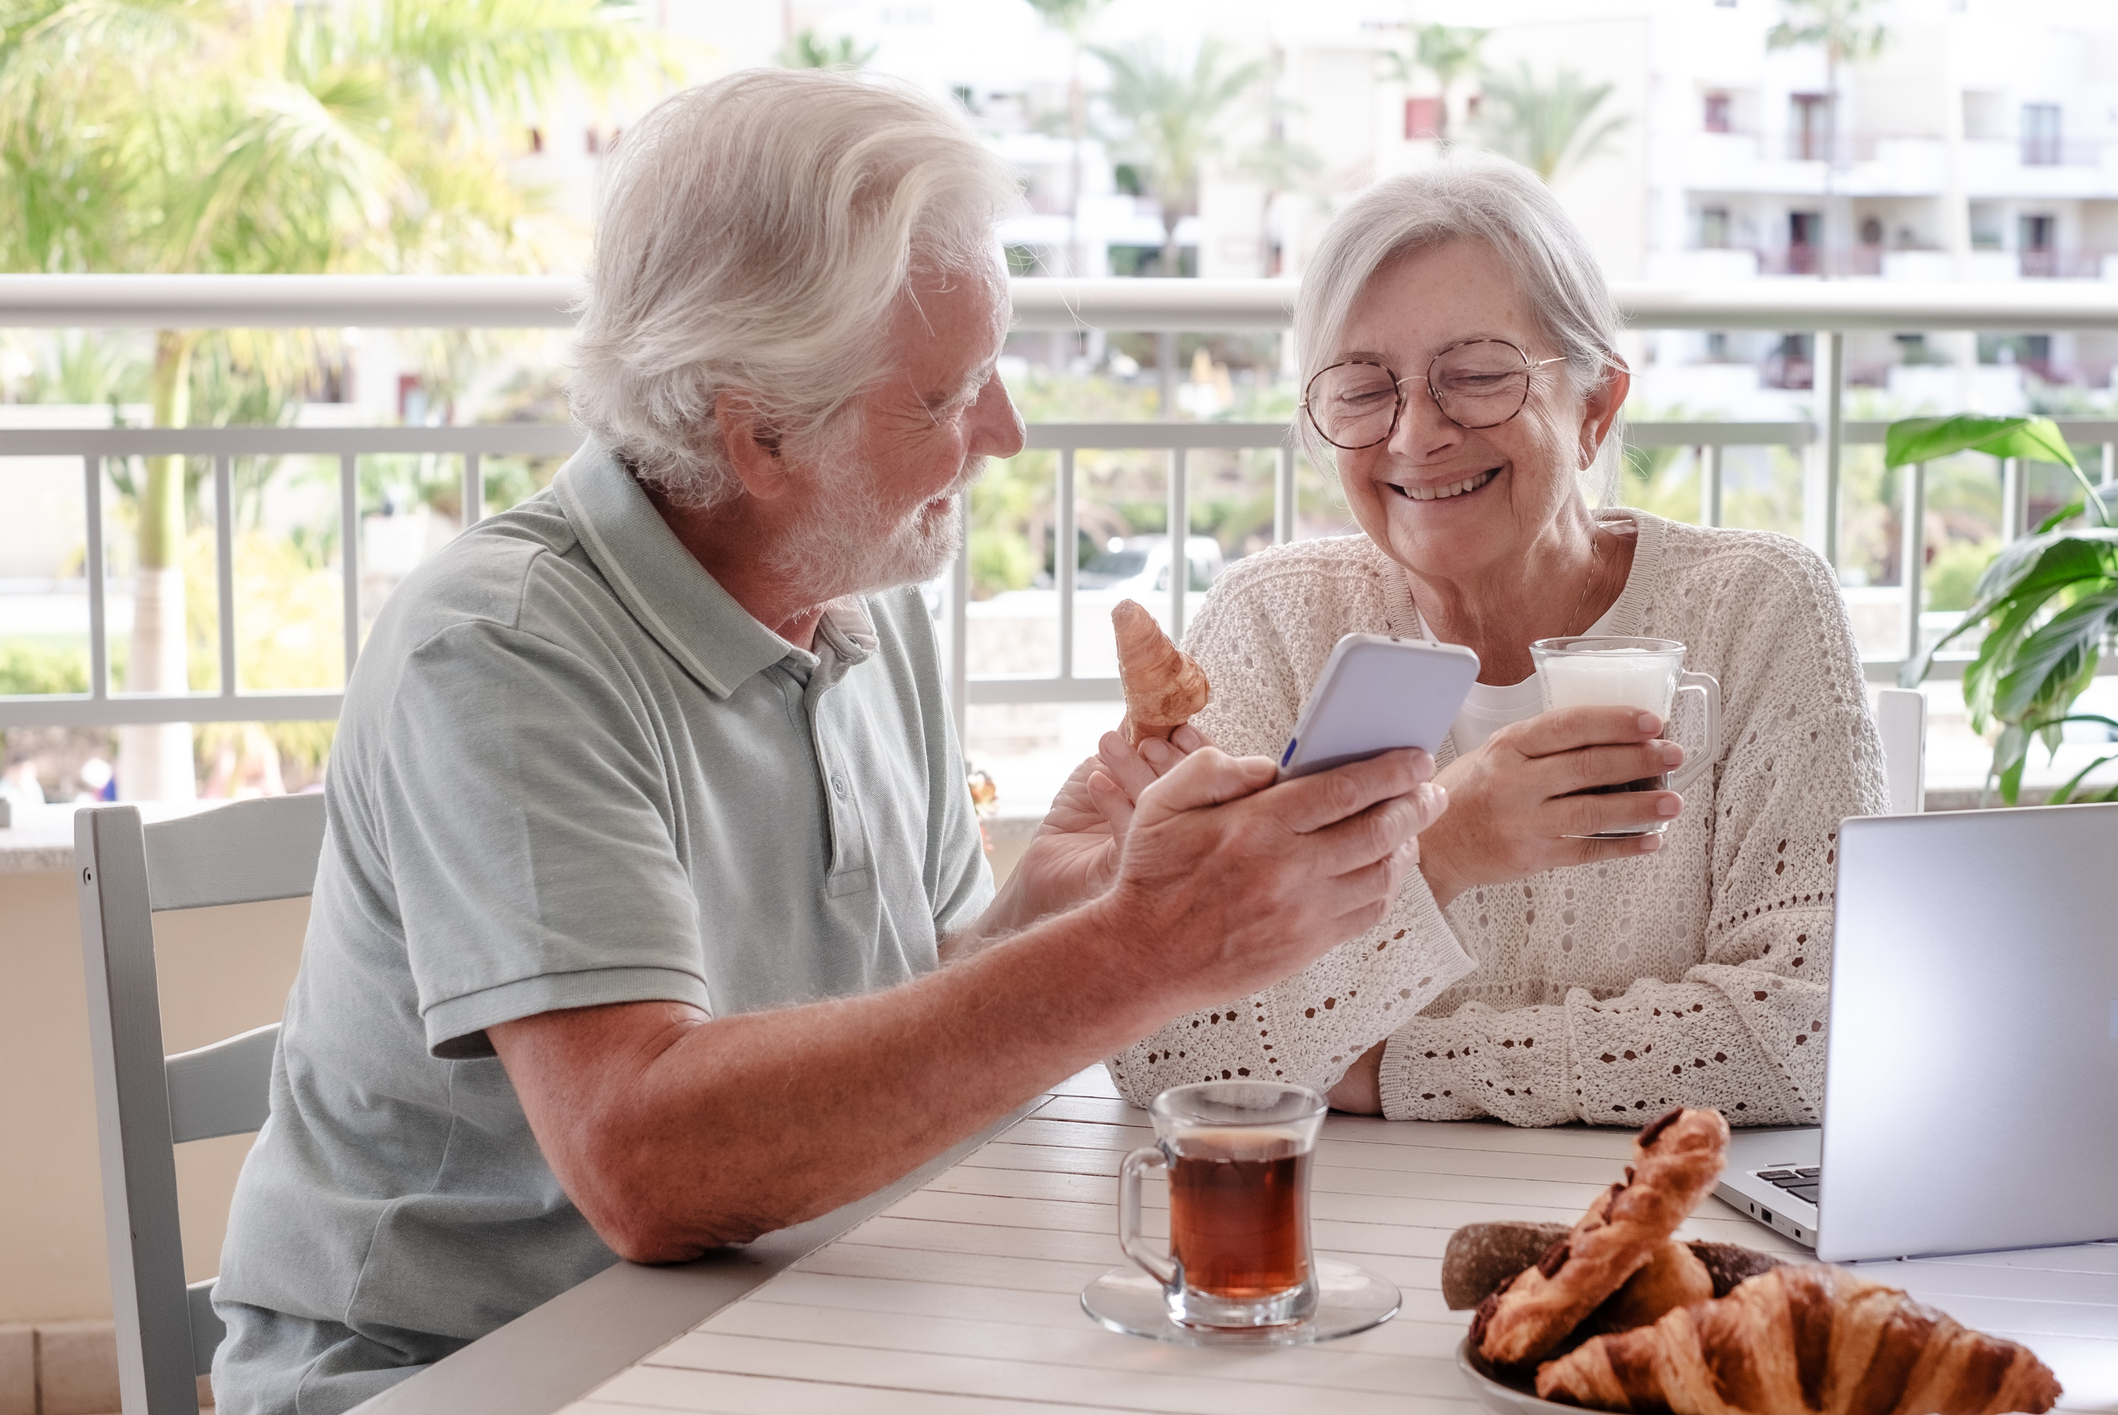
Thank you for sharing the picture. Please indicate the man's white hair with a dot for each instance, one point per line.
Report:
(754, 236)
(1502, 206)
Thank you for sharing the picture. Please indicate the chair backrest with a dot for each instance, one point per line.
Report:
(146, 1104)
(1901, 718)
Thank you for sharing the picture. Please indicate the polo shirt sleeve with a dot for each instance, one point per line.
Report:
(526, 816)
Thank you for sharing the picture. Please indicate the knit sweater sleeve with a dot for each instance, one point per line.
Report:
(1743, 1029)
(1310, 1027)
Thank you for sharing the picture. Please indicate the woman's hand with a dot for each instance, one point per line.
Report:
(1516, 808)
(1074, 855)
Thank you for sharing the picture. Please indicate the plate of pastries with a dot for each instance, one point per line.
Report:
(1615, 1313)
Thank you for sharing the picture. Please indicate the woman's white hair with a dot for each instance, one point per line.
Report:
(1501, 205)
(755, 235)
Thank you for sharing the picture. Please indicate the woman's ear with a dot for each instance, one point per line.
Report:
(753, 446)
(1601, 408)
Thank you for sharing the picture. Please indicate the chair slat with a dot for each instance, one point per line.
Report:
(222, 1089)
(236, 854)
(207, 1329)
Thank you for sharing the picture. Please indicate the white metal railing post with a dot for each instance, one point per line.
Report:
(1820, 501)
(349, 551)
(2012, 501)
(1912, 553)
(2110, 463)
(959, 622)
(1710, 484)
(1283, 497)
(224, 564)
(473, 490)
(98, 621)
(1179, 539)
(1066, 552)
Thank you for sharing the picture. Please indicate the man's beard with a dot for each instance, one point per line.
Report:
(846, 543)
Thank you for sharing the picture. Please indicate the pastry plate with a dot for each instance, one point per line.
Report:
(1500, 1395)
(1349, 1299)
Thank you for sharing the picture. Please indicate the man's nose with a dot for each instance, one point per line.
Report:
(996, 428)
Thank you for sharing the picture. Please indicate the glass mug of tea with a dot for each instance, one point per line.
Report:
(1238, 1155)
(1648, 674)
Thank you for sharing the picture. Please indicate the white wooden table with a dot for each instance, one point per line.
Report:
(963, 1295)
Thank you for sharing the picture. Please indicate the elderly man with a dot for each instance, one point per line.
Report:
(652, 914)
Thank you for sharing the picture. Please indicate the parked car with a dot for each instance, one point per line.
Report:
(1136, 566)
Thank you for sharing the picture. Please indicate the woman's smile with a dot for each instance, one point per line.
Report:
(1412, 490)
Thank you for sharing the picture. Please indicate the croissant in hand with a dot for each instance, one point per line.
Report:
(1163, 687)
(1803, 1340)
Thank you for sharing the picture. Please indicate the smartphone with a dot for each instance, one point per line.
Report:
(1378, 692)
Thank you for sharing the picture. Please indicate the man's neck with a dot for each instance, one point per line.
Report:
(729, 542)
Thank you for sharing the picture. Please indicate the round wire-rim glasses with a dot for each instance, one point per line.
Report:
(1468, 390)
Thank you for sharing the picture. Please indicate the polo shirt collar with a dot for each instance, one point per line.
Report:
(661, 583)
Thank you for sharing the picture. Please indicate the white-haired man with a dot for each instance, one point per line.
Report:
(652, 914)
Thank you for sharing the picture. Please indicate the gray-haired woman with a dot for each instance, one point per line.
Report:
(1456, 342)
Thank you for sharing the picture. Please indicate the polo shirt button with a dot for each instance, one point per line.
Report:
(838, 787)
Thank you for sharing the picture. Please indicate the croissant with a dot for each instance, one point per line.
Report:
(1481, 1257)
(1675, 1162)
(1163, 687)
(1803, 1340)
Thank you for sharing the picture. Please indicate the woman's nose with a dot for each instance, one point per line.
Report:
(1421, 429)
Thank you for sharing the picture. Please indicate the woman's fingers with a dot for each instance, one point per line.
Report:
(1570, 729)
(1112, 802)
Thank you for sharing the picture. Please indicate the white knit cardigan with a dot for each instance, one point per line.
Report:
(1695, 976)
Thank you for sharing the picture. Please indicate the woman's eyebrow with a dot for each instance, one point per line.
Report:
(1377, 356)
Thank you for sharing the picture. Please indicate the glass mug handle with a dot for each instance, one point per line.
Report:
(1157, 1265)
(1699, 757)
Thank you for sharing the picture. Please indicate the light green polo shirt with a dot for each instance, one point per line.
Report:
(570, 770)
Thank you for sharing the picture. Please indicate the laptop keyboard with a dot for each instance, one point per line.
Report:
(1802, 1183)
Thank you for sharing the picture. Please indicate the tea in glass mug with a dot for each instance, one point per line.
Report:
(1238, 1155)
(1598, 670)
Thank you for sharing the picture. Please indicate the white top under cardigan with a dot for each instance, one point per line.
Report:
(1694, 976)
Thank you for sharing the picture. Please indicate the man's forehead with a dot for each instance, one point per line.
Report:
(951, 318)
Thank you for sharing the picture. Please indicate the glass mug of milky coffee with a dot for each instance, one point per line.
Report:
(1238, 1155)
(1648, 674)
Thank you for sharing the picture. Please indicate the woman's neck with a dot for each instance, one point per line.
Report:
(1562, 586)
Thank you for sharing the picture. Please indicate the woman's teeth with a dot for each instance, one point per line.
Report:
(1437, 493)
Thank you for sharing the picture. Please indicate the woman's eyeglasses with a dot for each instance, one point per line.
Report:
(1479, 383)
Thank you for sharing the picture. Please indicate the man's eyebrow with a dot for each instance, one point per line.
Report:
(972, 381)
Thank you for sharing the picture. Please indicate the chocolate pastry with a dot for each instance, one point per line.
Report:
(1675, 1163)
(1807, 1339)
(1482, 1256)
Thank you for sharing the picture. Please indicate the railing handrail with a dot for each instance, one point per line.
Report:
(546, 301)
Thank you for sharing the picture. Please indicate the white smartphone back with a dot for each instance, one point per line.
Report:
(1377, 693)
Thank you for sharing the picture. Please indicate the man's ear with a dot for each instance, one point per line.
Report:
(753, 446)
(1600, 409)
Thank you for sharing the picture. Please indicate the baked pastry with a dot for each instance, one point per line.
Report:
(1163, 687)
(1482, 1256)
(1673, 1277)
(1675, 1162)
(1806, 1339)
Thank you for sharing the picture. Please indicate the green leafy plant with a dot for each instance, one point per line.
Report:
(2047, 602)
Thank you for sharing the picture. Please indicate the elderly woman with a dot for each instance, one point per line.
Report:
(1456, 342)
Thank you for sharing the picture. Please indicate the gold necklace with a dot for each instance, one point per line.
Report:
(1595, 564)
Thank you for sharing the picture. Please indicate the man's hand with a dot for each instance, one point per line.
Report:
(1074, 855)
(1515, 803)
(1228, 883)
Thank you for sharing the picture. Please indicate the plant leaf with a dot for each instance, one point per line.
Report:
(2065, 793)
(1926, 439)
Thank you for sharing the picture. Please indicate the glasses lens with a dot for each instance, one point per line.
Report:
(1354, 404)
(1480, 385)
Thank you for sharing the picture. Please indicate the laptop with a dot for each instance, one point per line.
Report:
(1971, 1086)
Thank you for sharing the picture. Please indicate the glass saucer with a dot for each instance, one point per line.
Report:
(1349, 1299)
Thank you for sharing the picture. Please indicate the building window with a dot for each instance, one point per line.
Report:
(1717, 113)
(2040, 135)
(1809, 125)
(1422, 118)
(1713, 228)
(2036, 240)
(1805, 234)
(1871, 231)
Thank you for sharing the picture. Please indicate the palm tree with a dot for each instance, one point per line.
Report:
(1549, 127)
(261, 136)
(1836, 27)
(1172, 118)
(1449, 52)
(1071, 18)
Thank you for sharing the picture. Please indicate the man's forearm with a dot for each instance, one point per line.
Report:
(723, 1129)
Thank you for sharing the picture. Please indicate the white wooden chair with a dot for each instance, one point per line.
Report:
(147, 1104)
(1901, 718)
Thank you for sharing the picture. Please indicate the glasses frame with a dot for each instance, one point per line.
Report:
(1427, 377)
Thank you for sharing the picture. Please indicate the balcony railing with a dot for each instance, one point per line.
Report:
(1138, 305)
